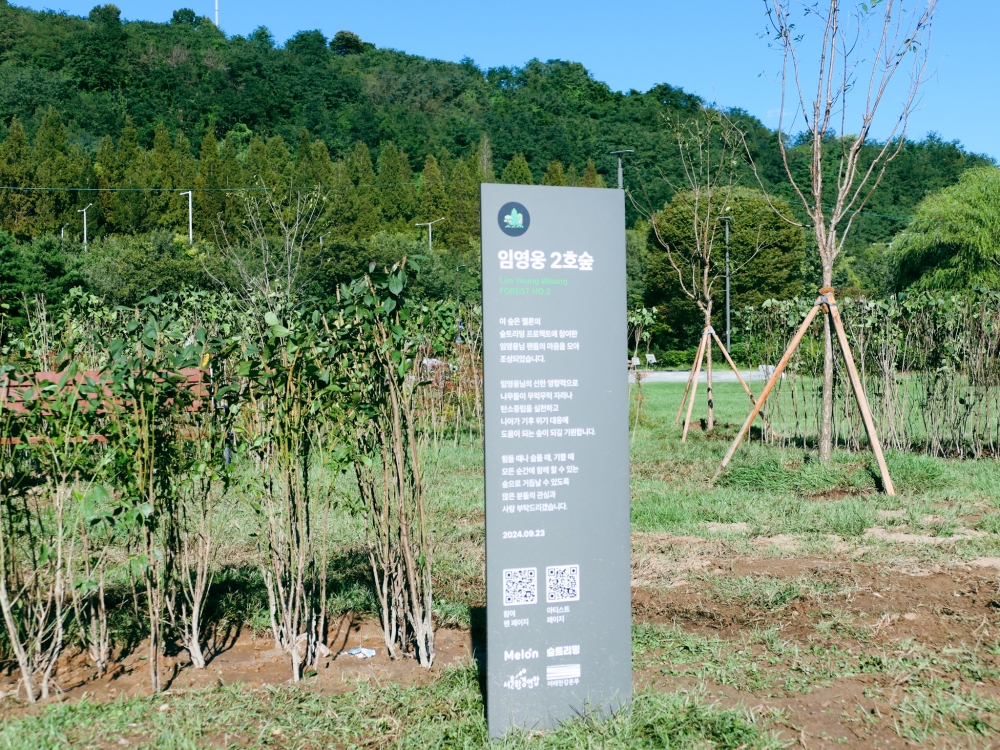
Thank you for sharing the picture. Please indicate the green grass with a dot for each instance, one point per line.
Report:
(446, 713)
(782, 490)
(772, 490)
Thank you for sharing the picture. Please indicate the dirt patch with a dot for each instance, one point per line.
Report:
(783, 542)
(886, 515)
(836, 494)
(841, 649)
(901, 537)
(252, 660)
(950, 604)
(740, 528)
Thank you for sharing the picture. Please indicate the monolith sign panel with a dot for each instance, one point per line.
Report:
(557, 492)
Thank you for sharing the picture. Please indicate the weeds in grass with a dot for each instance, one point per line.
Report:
(446, 713)
(761, 592)
(924, 713)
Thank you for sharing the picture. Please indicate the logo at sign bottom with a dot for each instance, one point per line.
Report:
(559, 675)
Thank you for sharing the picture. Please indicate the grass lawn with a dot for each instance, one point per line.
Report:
(788, 605)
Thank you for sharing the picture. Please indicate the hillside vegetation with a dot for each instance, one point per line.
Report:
(152, 109)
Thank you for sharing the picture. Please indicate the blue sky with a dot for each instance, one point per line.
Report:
(711, 48)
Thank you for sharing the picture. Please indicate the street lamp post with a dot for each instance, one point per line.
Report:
(84, 212)
(430, 232)
(621, 174)
(726, 219)
(190, 195)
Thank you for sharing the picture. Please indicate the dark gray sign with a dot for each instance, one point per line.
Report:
(557, 473)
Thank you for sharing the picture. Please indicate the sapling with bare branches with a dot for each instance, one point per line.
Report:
(385, 332)
(713, 157)
(46, 466)
(280, 224)
(288, 393)
(203, 433)
(839, 61)
(149, 381)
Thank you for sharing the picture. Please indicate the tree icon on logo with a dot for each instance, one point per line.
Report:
(514, 220)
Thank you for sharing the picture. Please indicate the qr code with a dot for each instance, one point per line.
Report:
(562, 583)
(520, 586)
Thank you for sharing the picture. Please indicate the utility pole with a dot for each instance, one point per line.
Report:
(728, 343)
(84, 212)
(216, 13)
(190, 195)
(430, 232)
(621, 174)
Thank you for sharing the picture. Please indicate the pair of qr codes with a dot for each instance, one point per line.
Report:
(520, 585)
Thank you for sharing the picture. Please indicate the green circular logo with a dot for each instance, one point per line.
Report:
(513, 219)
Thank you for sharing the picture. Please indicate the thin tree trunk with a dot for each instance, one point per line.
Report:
(826, 407)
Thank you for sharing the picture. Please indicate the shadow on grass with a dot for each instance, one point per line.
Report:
(477, 617)
(238, 600)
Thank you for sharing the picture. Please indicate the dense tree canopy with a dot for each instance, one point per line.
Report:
(127, 115)
(767, 256)
(954, 240)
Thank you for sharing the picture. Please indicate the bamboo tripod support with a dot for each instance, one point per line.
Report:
(828, 304)
(705, 347)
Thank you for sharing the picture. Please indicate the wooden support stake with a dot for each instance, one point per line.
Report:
(780, 368)
(694, 385)
(687, 388)
(859, 394)
(743, 382)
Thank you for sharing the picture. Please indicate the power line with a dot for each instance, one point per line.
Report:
(375, 186)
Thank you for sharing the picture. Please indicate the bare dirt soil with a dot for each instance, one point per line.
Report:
(828, 650)
(251, 659)
(853, 637)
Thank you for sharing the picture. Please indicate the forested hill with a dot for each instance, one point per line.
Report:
(86, 102)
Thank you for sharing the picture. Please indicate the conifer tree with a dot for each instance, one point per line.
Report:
(165, 205)
(395, 195)
(340, 217)
(365, 220)
(591, 178)
(322, 163)
(16, 206)
(209, 200)
(554, 174)
(231, 179)
(279, 161)
(326, 178)
(517, 172)
(305, 173)
(572, 176)
(433, 198)
(128, 207)
(445, 164)
(86, 177)
(463, 205)
(51, 167)
(106, 172)
(185, 168)
(483, 171)
(255, 164)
